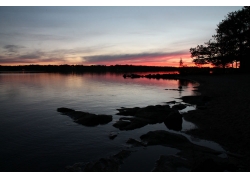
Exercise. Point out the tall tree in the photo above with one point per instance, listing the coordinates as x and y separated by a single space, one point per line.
231 43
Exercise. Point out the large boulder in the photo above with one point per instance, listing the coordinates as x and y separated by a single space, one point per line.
197 100
179 106
174 121
85 118
161 137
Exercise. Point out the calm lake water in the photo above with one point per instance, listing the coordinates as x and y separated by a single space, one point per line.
35 137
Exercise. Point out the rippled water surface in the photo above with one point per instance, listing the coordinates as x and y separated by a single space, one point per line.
35 137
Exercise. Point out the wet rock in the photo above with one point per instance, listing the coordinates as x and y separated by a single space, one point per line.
134 123
161 137
142 116
179 106
113 135
211 165
197 100
77 167
174 121
172 163
135 143
109 164
64 110
85 118
201 107
171 102
128 111
132 76
175 89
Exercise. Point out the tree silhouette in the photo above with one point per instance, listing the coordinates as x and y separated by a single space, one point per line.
231 43
181 63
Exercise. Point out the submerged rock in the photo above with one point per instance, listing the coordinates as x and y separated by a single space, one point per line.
85 118
133 123
135 143
113 135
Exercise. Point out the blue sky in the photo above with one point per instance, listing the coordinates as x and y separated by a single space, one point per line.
148 35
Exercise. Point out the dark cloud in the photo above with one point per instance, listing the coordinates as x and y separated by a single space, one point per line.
8 61
129 57
12 48
34 55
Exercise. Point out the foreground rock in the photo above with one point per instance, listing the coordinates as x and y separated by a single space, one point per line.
85 118
109 164
149 115
174 121
197 100
161 137
191 157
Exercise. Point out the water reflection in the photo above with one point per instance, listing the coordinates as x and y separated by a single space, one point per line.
32 130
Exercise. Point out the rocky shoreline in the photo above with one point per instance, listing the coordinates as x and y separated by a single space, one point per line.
221 116
226 118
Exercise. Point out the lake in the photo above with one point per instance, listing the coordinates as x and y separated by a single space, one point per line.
35 137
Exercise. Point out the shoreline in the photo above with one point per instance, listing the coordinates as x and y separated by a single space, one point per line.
225 118
214 92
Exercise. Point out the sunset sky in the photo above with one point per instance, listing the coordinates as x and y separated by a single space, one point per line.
105 35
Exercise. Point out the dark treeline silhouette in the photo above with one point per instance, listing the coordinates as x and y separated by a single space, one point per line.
230 44
82 68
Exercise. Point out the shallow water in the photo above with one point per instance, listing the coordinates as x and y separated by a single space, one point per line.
35 137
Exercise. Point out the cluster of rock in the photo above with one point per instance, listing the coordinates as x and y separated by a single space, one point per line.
109 164
85 118
190 157
153 76
150 115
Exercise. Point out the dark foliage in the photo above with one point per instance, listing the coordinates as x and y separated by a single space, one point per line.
230 44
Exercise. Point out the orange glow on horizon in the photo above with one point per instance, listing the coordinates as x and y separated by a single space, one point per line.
170 61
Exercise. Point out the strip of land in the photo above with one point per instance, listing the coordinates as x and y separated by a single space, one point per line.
226 118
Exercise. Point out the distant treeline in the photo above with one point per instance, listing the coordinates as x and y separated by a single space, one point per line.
115 68
82 68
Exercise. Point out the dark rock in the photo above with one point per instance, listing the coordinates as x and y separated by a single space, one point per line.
113 135
211 165
172 163
129 125
142 116
161 137
179 106
174 121
198 100
175 89
109 164
64 110
171 102
135 143
85 118
128 111
77 167
201 107
132 76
